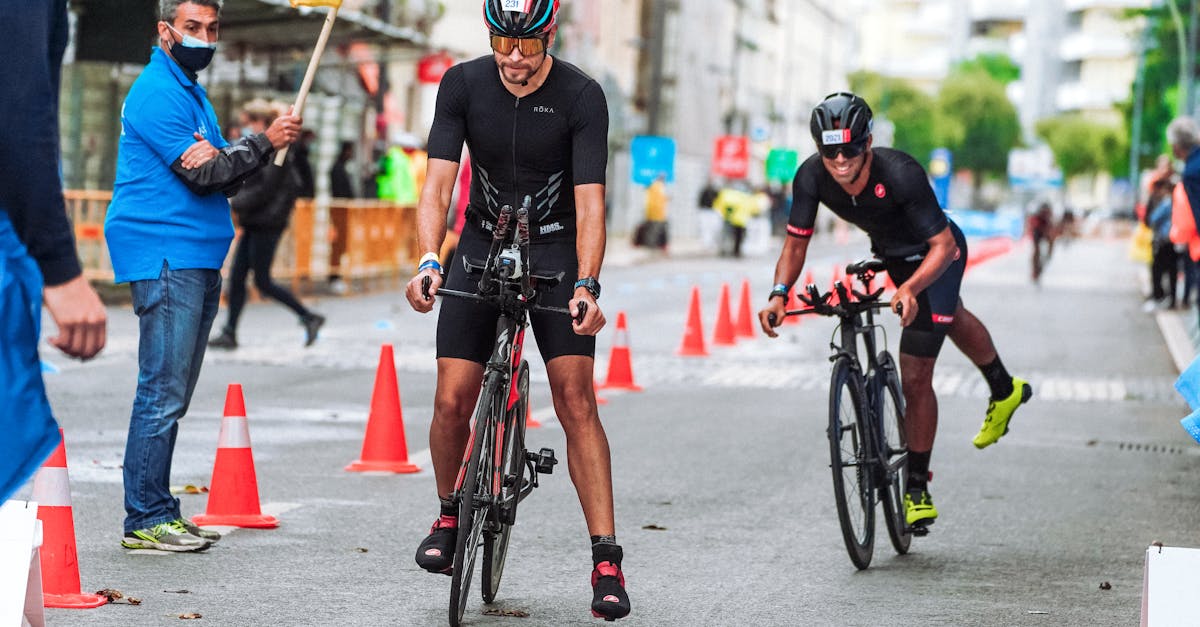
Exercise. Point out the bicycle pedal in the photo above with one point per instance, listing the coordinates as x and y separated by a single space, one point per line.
919 530
543 460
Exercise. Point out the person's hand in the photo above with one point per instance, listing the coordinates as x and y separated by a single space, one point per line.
904 303
776 307
284 130
198 153
415 294
593 320
81 318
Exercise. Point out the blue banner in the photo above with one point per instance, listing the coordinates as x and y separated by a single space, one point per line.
941 170
652 156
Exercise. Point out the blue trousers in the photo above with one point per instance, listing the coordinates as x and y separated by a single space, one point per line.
175 313
29 431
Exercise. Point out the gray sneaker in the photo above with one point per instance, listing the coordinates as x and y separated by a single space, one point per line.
199 532
168 536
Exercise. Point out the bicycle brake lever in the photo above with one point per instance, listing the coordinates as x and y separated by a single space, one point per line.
581 308
426 283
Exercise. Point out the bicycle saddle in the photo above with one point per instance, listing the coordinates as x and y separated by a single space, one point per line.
858 267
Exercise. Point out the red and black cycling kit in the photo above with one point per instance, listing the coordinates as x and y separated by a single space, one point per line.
899 212
541 145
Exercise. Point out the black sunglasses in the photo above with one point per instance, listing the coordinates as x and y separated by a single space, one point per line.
528 46
851 150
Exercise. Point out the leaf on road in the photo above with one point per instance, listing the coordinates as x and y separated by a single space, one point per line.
664 503
1104 585
116 596
654 527
1037 612
502 612
189 489
190 616
178 591
1093 442
360 550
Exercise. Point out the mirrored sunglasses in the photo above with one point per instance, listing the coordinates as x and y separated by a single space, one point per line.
851 150
528 46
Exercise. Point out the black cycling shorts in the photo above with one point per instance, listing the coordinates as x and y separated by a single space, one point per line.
936 305
467 329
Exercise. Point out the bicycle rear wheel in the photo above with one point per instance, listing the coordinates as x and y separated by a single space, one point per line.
512 479
474 499
850 452
894 445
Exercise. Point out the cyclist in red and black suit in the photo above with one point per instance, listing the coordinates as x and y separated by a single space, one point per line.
886 193
535 126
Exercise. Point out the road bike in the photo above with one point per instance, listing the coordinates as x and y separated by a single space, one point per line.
867 445
497 472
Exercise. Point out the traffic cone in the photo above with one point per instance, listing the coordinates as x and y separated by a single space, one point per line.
793 303
60 563
233 491
745 316
620 367
724 335
384 448
530 423
693 333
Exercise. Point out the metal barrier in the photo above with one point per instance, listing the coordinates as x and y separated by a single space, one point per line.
368 240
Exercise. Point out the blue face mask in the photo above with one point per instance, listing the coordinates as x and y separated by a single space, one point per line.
192 53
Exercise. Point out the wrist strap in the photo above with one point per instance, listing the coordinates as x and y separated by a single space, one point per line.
429 260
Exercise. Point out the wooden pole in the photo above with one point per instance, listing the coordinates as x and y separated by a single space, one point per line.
313 63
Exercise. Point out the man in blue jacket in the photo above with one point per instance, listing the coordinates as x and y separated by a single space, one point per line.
1184 136
37 245
168 230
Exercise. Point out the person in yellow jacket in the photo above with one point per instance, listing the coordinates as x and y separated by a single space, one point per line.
653 231
737 208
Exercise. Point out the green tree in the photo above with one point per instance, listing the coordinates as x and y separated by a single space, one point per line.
1161 76
912 111
980 125
1083 147
998 66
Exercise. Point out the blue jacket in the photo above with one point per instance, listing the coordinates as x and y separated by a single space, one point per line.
33 35
154 217
1191 181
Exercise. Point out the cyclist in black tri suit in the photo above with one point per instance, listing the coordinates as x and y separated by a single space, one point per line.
886 193
535 126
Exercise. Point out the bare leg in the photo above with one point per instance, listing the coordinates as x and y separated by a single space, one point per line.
588 457
458 384
920 403
971 337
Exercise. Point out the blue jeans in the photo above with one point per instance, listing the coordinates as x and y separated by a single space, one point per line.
175 313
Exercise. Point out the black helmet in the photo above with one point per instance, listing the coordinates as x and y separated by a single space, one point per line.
520 18
841 123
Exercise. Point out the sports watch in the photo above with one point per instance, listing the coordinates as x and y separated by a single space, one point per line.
590 284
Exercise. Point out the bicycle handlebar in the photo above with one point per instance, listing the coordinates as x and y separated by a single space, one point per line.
427 282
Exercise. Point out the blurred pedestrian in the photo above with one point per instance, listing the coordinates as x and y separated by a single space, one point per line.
308 184
264 207
1164 264
737 208
652 233
340 185
711 224
1041 233
1184 137
168 230
38 263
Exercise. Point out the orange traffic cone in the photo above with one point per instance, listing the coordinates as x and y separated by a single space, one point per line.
384 447
724 335
233 491
620 367
793 303
530 423
693 333
60 563
745 316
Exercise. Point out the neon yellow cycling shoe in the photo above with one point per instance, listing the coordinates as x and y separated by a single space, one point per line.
1000 412
918 508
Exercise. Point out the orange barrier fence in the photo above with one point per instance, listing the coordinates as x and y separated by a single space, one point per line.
359 240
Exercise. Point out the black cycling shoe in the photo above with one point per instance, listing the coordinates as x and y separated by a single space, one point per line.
609 600
312 325
436 553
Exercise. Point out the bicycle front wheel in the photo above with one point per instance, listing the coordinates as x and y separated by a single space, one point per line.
474 500
512 479
850 452
894 448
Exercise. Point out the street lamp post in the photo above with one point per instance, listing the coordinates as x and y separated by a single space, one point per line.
1185 57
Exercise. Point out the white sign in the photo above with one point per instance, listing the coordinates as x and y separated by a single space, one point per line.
20 565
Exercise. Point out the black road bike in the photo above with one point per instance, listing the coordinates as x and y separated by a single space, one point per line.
867 445
497 472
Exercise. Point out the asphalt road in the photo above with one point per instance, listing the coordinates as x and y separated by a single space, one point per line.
724 501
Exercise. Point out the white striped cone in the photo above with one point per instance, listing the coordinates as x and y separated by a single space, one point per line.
60 562
233 491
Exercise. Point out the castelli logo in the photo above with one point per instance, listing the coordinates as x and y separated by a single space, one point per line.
880 191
